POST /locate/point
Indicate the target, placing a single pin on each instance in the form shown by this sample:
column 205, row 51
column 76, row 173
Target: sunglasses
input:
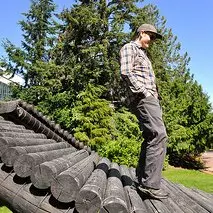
column 151, row 35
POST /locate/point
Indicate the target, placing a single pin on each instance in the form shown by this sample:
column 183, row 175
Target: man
column 137, row 72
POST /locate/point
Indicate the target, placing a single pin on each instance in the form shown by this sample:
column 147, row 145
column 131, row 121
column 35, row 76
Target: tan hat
column 149, row 28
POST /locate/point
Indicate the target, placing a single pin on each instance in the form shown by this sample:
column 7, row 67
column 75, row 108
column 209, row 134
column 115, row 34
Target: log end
column 113, row 205
column 24, row 165
column 42, row 176
column 88, row 201
column 65, row 188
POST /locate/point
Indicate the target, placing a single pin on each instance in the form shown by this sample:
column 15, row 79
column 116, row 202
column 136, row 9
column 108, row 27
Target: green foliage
column 92, row 116
column 166, row 163
column 187, row 117
column 74, row 79
column 114, row 134
column 122, row 150
column 38, row 32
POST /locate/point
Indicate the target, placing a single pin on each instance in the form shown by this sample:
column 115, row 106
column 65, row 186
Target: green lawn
column 4, row 209
column 190, row 178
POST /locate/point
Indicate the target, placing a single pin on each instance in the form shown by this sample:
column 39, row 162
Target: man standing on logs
column 143, row 100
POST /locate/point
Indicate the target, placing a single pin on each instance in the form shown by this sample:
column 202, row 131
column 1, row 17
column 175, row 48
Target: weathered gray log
column 14, row 128
column 11, row 154
column 23, row 199
column 6, row 122
column 134, row 201
column 151, row 205
column 202, row 201
column 114, row 200
column 160, row 206
column 91, row 194
column 171, row 205
column 169, row 202
column 176, row 196
column 7, row 126
column 22, row 135
column 67, row 185
column 43, row 174
column 207, row 195
column 26, row 163
column 5, row 129
column 36, row 125
column 186, row 204
column 7, row 107
column 6, row 142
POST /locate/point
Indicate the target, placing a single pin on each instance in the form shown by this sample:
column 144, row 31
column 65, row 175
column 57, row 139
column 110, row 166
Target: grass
column 3, row 208
column 190, row 178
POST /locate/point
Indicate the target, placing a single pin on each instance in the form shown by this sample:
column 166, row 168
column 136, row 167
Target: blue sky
column 191, row 21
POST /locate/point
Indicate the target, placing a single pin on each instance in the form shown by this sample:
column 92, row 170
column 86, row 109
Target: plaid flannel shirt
column 137, row 71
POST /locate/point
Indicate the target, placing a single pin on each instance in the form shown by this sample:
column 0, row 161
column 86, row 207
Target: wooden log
column 6, row 142
column 22, row 135
column 88, row 149
column 160, row 206
column 43, row 174
column 36, row 125
column 176, row 196
column 24, row 199
column 114, row 200
column 6, row 122
column 207, row 195
column 65, row 134
column 134, row 200
column 171, row 205
column 7, row 107
column 26, row 163
column 67, row 185
column 11, row 154
column 202, row 201
column 150, row 205
column 186, row 204
column 8, row 125
column 5, row 129
column 23, row 104
column 29, row 108
column 91, row 194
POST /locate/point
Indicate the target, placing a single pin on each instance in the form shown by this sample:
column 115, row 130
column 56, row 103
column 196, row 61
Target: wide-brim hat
column 149, row 28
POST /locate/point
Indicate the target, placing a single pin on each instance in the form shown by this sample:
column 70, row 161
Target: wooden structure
column 45, row 169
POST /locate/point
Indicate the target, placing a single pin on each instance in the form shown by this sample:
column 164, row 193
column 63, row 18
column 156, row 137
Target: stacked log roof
column 45, row 169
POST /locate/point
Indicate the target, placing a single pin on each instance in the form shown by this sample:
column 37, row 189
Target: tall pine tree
column 61, row 75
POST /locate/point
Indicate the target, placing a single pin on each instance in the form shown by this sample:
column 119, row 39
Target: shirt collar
column 138, row 45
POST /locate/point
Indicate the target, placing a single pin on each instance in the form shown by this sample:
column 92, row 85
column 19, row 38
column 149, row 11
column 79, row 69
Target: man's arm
column 127, row 58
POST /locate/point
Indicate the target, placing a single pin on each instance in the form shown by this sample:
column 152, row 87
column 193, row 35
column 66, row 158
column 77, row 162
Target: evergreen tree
column 75, row 78
column 114, row 134
column 38, row 32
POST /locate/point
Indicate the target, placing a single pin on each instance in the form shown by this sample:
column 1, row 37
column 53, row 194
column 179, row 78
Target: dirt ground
column 208, row 161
